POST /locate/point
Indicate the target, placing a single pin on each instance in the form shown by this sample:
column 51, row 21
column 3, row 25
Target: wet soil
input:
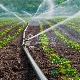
column 14, row 64
column 70, row 33
column 60, row 48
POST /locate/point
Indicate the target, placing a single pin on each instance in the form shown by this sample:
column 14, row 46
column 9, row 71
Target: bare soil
column 60, row 48
column 14, row 65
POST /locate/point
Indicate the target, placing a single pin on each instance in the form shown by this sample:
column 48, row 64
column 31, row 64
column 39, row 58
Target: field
column 14, row 64
column 56, row 52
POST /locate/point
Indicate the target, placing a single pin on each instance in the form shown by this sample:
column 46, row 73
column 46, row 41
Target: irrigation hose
column 39, row 73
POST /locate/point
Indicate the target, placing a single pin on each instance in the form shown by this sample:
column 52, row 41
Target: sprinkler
column 26, row 42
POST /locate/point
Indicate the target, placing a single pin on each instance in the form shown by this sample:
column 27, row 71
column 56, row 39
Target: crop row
column 44, row 40
column 3, row 32
column 73, row 24
column 4, row 19
column 58, row 19
column 65, row 39
column 71, row 43
column 63, row 64
column 9, row 38
column 75, row 20
column 6, row 23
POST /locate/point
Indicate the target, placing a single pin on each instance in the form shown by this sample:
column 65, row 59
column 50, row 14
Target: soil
column 60, row 48
column 70, row 33
column 14, row 64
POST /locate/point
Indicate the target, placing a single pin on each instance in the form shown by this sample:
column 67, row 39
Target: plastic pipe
column 33, row 63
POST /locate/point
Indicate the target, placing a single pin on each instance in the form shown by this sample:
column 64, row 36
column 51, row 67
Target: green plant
column 9, row 38
column 64, row 67
column 70, row 42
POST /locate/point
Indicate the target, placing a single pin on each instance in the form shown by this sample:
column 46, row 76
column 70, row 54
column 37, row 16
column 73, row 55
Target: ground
column 60, row 48
column 14, row 65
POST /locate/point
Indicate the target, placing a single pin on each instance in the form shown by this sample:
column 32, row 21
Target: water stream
column 56, row 25
column 4, row 8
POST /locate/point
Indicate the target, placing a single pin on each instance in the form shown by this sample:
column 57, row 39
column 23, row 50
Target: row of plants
column 44, row 39
column 73, row 24
column 5, row 19
column 58, row 19
column 3, row 32
column 65, row 39
column 9, row 38
column 7, row 22
column 2, row 20
column 75, row 20
column 63, row 65
column 71, row 43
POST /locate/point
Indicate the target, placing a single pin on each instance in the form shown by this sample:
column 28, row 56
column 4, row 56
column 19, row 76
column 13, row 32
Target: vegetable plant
column 64, row 68
column 9, row 38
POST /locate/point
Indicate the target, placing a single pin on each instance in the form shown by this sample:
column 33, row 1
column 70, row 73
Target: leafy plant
column 9, row 38
column 64, row 67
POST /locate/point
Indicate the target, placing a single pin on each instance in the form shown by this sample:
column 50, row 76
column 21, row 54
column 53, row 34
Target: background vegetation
column 32, row 5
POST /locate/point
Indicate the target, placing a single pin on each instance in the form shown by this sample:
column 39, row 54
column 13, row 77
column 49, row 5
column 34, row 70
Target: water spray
column 56, row 25
column 38, row 8
column 4, row 8
column 27, row 13
column 49, row 10
column 18, row 17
